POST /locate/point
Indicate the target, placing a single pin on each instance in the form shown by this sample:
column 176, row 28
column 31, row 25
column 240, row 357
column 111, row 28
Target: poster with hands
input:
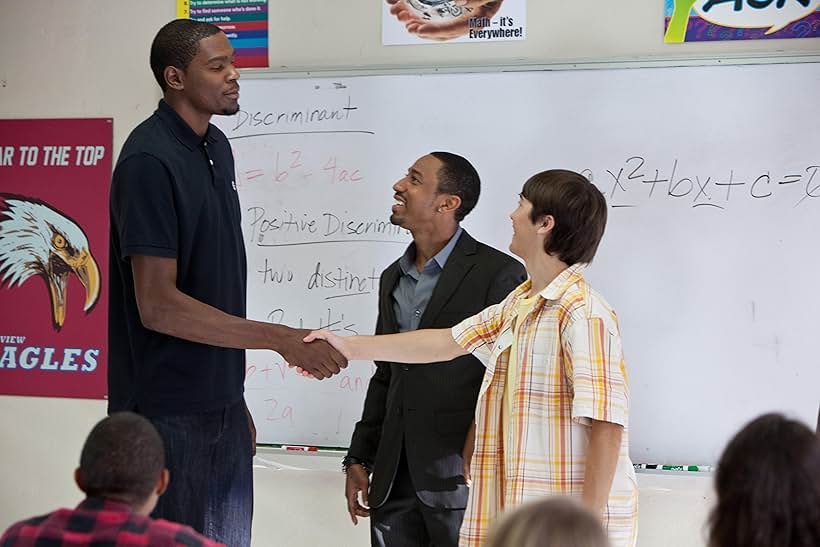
column 407, row 22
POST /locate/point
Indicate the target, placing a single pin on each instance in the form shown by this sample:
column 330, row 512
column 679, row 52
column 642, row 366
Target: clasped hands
column 317, row 354
column 311, row 353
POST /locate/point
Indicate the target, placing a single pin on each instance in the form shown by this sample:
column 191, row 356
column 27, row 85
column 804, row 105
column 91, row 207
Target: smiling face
column 417, row 198
column 210, row 81
column 523, row 228
column 528, row 236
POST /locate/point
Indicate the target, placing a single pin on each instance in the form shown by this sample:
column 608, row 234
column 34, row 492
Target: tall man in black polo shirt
column 177, row 327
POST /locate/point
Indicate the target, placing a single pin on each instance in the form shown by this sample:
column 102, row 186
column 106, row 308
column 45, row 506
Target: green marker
column 695, row 468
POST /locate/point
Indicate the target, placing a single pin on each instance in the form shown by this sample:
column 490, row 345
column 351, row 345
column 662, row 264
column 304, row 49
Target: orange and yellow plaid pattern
column 571, row 370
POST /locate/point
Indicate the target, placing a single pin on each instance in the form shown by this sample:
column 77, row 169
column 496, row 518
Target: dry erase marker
column 697, row 468
column 300, row 448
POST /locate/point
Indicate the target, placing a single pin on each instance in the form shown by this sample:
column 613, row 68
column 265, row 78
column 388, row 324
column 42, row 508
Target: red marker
column 300, row 448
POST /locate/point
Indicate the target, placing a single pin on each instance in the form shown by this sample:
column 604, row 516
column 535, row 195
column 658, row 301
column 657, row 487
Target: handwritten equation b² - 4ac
column 295, row 166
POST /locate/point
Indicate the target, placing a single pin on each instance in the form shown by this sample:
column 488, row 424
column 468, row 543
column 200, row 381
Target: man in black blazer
column 416, row 419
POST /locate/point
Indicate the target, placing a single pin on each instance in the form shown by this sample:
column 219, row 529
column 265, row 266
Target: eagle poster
column 54, row 181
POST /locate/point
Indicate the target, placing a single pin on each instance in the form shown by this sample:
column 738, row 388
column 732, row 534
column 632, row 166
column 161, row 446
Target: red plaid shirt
column 98, row 521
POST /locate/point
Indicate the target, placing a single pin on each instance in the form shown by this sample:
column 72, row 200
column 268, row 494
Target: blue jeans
column 211, row 488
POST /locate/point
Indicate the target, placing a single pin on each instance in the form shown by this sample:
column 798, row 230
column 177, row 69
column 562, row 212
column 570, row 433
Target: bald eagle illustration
column 38, row 240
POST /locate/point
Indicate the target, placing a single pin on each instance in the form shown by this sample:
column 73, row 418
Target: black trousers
column 404, row 521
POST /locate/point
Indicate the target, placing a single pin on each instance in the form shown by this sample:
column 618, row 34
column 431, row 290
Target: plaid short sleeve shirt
column 570, row 371
column 101, row 522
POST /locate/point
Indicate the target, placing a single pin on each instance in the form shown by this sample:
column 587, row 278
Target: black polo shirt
column 173, row 195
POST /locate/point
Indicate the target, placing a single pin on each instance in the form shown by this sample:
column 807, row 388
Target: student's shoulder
column 584, row 302
column 22, row 529
column 164, row 532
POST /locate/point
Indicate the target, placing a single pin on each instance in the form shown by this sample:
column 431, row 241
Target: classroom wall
column 89, row 58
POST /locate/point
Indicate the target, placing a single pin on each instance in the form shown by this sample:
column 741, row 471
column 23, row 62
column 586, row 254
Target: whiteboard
column 710, row 256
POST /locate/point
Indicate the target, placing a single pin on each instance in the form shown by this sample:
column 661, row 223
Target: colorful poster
column 245, row 22
column 706, row 20
column 435, row 21
column 54, row 181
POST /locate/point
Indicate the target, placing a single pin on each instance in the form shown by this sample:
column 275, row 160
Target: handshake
column 319, row 354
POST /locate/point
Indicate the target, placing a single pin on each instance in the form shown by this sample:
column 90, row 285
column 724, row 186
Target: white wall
column 89, row 58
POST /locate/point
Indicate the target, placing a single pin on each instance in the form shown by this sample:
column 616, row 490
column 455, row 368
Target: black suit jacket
column 430, row 408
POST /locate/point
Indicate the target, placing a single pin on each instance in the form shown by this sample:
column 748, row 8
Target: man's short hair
column 176, row 44
column 579, row 210
column 458, row 177
column 123, row 458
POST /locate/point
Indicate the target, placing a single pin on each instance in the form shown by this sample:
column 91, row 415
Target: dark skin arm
column 164, row 308
column 357, row 483
column 365, row 441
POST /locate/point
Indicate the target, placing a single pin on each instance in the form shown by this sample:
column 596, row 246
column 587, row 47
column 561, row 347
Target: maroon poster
column 54, row 181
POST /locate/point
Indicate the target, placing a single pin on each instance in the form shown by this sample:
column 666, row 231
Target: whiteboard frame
column 304, row 72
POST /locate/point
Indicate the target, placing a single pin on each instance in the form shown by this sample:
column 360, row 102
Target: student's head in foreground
column 768, row 487
column 123, row 460
column 560, row 213
column 552, row 522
